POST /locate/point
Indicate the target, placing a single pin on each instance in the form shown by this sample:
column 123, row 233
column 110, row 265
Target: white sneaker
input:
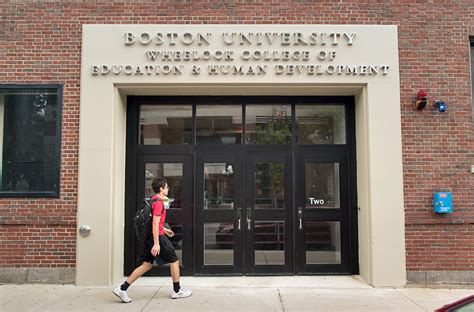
column 122, row 294
column 182, row 293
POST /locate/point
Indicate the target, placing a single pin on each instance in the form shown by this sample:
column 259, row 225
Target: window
column 472, row 77
column 30, row 140
column 165, row 124
column 269, row 124
column 219, row 124
column 320, row 124
column 178, row 121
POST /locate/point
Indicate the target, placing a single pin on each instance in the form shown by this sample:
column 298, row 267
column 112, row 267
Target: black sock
column 124, row 286
column 176, row 287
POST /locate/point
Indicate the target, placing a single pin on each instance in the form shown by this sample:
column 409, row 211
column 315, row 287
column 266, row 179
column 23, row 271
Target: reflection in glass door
column 322, row 212
column 262, row 185
column 268, row 247
column 219, row 214
column 219, row 193
column 176, row 169
column 173, row 172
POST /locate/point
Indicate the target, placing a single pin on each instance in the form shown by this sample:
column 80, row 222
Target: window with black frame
column 30, row 136
column 472, row 77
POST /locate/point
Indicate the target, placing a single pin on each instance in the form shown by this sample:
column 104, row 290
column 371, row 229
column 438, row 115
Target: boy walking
column 157, row 247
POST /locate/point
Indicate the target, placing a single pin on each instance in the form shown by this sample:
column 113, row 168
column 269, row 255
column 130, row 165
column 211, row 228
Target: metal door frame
column 191, row 152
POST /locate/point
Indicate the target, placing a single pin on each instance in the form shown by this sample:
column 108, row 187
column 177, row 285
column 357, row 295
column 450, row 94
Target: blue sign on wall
column 443, row 202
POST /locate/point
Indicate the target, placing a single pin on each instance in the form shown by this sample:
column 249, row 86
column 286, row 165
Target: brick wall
column 40, row 42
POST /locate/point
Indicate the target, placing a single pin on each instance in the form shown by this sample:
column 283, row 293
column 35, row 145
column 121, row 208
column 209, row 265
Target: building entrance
column 258, row 185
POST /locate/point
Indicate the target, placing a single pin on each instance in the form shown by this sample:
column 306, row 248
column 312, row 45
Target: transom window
column 277, row 122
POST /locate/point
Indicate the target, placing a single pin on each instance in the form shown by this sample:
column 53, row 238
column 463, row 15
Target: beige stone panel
column 118, row 186
column 363, row 184
column 306, row 89
column 388, row 268
column 388, row 222
column 96, row 115
column 373, row 45
column 380, row 185
column 95, row 208
column 386, row 186
column 384, row 116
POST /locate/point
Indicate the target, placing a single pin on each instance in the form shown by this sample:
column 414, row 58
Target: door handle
column 239, row 219
column 300, row 218
column 249, row 218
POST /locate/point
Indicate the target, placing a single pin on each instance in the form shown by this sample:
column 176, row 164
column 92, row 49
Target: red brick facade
column 40, row 42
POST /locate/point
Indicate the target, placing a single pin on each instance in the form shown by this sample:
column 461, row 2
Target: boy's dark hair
column 158, row 183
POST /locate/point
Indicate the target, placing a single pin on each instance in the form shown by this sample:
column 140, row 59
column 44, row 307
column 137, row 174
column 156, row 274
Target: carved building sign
column 281, row 53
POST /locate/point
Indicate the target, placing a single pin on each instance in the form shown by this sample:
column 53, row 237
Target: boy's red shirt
column 158, row 209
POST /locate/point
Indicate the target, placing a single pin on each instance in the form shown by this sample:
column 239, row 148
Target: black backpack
column 142, row 219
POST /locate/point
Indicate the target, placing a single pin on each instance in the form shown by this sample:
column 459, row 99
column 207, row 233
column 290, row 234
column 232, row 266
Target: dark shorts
column 167, row 253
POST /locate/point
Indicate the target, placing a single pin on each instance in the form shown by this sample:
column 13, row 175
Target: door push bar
column 249, row 218
column 300, row 218
column 239, row 218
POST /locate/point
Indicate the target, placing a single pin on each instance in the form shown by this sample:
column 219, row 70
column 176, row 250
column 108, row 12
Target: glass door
column 219, row 214
column 322, row 214
column 177, row 170
column 268, row 182
column 268, row 214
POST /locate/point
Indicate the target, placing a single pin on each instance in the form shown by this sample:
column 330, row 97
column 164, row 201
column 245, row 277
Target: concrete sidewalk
column 289, row 293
